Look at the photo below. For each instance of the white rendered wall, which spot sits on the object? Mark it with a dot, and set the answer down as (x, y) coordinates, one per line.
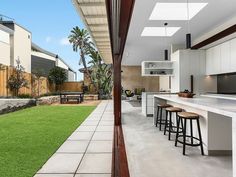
(71, 76)
(61, 64)
(42, 55)
(4, 48)
(22, 47)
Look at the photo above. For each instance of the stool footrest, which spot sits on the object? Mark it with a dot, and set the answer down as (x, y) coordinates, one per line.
(187, 136)
(174, 131)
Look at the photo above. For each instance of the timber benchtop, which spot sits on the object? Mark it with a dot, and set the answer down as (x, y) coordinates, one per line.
(216, 105)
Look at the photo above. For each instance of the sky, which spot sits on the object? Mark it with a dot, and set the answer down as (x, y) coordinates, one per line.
(50, 22)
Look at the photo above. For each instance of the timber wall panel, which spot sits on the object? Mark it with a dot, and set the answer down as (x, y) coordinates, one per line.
(32, 88)
(72, 86)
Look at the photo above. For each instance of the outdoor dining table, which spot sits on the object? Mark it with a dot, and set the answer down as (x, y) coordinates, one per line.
(66, 96)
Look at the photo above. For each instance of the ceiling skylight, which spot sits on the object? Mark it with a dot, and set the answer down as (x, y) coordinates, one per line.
(159, 31)
(176, 11)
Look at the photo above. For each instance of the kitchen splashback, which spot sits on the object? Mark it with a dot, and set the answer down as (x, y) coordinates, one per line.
(226, 83)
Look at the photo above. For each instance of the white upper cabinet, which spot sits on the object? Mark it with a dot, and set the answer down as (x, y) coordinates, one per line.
(225, 57)
(233, 55)
(209, 59)
(221, 59)
(216, 63)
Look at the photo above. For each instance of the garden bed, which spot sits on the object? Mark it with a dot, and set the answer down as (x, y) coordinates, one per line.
(13, 104)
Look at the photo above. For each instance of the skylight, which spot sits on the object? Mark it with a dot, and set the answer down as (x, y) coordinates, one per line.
(159, 31)
(176, 11)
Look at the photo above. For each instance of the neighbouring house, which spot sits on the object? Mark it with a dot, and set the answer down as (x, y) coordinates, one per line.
(5, 45)
(19, 41)
(16, 42)
(41, 58)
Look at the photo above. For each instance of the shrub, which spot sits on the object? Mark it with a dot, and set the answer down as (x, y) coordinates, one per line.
(57, 76)
(17, 80)
(24, 96)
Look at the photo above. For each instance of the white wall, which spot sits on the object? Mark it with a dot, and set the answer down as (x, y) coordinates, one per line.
(43, 55)
(61, 64)
(4, 48)
(71, 76)
(22, 47)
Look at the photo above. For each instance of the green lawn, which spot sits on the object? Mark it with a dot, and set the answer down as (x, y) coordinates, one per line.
(29, 137)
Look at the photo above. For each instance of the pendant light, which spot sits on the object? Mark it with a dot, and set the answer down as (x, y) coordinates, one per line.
(166, 50)
(188, 35)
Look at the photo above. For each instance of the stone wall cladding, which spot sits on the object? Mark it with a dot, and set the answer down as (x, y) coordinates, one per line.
(90, 97)
(48, 100)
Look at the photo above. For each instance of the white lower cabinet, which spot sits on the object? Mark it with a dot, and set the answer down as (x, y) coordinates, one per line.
(147, 103)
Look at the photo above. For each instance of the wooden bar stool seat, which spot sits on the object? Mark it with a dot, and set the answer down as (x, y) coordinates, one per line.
(188, 115)
(184, 116)
(164, 105)
(159, 119)
(170, 127)
(173, 109)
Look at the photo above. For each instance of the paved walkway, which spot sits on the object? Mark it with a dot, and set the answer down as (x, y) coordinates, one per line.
(88, 151)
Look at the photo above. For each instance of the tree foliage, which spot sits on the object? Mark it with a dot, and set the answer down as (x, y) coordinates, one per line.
(101, 75)
(80, 39)
(17, 79)
(57, 76)
(37, 79)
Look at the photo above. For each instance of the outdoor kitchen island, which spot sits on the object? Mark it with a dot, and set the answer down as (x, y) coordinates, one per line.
(217, 121)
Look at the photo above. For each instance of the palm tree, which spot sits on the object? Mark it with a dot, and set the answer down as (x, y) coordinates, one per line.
(101, 74)
(96, 58)
(80, 39)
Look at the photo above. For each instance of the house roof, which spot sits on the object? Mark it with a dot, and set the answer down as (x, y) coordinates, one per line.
(39, 49)
(5, 23)
(6, 29)
(94, 16)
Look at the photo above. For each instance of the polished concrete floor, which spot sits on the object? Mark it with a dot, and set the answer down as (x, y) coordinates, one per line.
(150, 154)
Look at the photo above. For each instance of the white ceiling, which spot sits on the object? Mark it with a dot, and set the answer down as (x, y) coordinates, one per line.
(139, 48)
(94, 15)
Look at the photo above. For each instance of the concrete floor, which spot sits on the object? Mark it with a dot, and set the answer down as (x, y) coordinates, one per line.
(150, 154)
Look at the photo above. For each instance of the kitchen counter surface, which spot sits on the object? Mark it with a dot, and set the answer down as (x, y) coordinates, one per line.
(221, 106)
(222, 96)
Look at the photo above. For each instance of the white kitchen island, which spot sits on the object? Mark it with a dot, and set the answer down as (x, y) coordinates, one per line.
(217, 120)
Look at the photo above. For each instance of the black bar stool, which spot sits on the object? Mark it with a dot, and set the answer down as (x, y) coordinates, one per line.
(169, 127)
(159, 119)
(189, 116)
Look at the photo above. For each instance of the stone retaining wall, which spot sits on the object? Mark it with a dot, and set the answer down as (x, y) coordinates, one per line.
(48, 100)
(91, 97)
(11, 105)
